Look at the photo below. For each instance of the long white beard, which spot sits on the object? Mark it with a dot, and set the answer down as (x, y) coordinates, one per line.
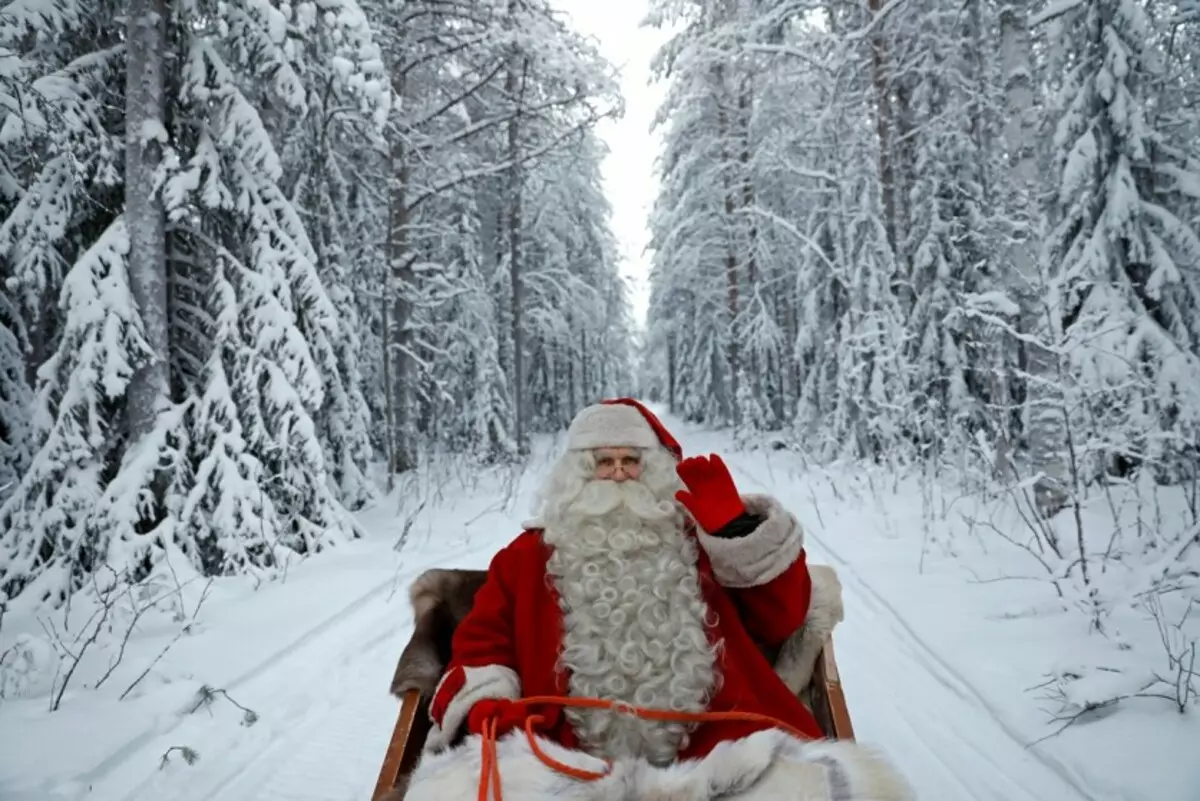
(634, 617)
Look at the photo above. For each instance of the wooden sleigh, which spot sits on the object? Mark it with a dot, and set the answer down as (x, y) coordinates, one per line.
(441, 598)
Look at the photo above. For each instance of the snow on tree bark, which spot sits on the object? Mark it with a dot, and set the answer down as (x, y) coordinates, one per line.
(145, 136)
(1044, 438)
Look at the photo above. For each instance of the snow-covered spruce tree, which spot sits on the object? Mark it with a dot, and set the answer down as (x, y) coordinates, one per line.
(275, 342)
(444, 137)
(474, 414)
(487, 425)
(693, 231)
(345, 107)
(958, 362)
(16, 435)
(368, 254)
(851, 341)
(655, 355)
(1120, 254)
(50, 538)
(752, 417)
(574, 309)
(234, 473)
(229, 522)
(747, 216)
(60, 160)
(16, 400)
(852, 336)
(563, 88)
(63, 244)
(796, 248)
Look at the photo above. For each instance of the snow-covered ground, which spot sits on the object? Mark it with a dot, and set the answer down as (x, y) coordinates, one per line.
(938, 659)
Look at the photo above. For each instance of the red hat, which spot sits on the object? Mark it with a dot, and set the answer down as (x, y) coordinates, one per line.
(617, 423)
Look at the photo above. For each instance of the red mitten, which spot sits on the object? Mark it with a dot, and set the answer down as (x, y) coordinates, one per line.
(508, 715)
(711, 496)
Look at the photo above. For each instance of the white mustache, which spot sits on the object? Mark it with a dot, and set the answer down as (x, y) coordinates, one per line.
(602, 497)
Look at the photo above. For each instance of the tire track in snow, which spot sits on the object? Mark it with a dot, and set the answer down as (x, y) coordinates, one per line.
(928, 732)
(970, 729)
(326, 636)
(323, 746)
(334, 754)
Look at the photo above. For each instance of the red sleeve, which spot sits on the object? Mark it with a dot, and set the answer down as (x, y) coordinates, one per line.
(482, 662)
(764, 569)
(773, 611)
(485, 635)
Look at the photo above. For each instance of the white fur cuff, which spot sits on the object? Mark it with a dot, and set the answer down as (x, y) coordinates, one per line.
(762, 555)
(478, 683)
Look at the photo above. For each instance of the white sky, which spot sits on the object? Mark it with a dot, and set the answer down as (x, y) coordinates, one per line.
(628, 172)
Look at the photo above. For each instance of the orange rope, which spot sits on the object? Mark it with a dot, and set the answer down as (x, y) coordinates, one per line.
(489, 772)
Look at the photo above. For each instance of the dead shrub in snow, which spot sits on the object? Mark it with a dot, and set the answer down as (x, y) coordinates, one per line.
(112, 607)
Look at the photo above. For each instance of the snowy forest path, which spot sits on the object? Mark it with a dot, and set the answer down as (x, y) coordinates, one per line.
(904, 697)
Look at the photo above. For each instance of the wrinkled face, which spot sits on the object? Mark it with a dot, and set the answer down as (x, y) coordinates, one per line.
(618, 464)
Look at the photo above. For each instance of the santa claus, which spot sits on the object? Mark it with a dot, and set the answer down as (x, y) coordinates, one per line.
(646, 579)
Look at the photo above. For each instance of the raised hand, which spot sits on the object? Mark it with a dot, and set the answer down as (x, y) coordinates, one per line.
(711, 496)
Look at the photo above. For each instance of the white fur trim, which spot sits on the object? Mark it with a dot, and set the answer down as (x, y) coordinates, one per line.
(488, 681)
(798, 657)
(768, 765)
(610, 426)
(762, 555)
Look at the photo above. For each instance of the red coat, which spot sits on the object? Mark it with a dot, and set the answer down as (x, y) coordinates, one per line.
(508, 645)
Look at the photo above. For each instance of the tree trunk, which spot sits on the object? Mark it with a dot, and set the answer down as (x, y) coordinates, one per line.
(754, 369)
(1044, 433)
(884, 122)
(400, 278)
(671, 373)
(144, 215)
(572, 387)
(732, 299)
(514, 87)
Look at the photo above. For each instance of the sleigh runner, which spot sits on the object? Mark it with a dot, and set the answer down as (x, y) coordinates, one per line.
(441, 598)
